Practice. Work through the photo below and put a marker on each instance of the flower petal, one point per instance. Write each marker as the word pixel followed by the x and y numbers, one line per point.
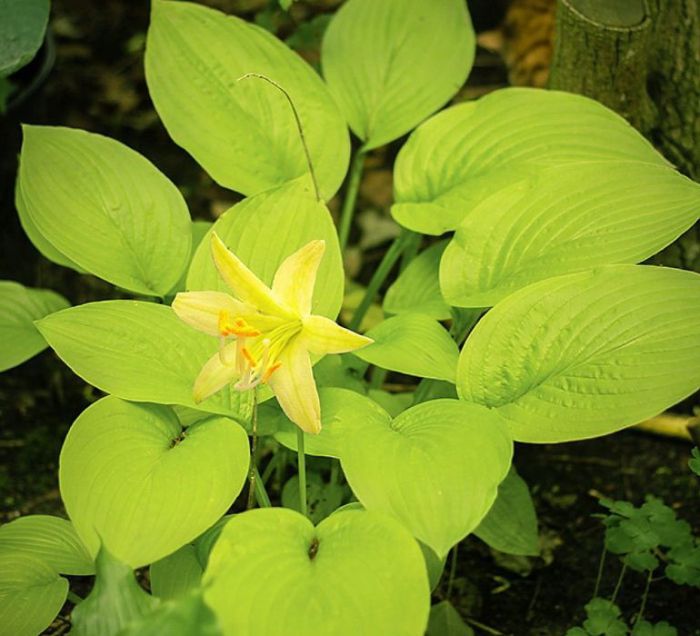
pixel 244 283
pixel 201 309
pixel 216 374
pixel 293 384
pixel 321 335
pixel 296 276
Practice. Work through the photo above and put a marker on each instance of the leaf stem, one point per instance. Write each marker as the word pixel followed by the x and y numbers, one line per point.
pixel 377 377
pixel 618 585
pixel 348 209
pixel 380 275
pixel 254 475
pixel 643 606
pixel 297 120
pixel 302 472
pixel 261 495
pixel 74 598
pixel 453 570
pixel 599 578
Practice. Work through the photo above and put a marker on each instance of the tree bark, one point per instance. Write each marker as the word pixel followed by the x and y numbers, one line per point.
pixel 642 59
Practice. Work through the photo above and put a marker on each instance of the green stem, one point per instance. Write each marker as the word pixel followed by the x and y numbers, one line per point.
pixel 297 121
pixel 280 467
pixel 253 453
pixel 453 571
pixel 302 472
pixel 269 469
pixel 377 377
pixel 599 578
pixel 410 252
pixel 618 585
pixel 643 606
pixel 74 598
pixel 348 209
pixel 261 495
pixel 379 276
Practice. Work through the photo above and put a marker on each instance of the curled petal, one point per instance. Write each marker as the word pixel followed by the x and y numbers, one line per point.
pixel 321 335
pixel 293 384
pixel 244 283
pixel 220 370
pixel 202 309
pixel 296 276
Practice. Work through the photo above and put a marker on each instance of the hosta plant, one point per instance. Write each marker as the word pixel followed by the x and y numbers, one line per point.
pixel 546 202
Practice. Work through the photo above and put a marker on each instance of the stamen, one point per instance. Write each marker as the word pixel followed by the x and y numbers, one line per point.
pixel 249 357
pixel 229 326
pixel 242 329
pixel 269 371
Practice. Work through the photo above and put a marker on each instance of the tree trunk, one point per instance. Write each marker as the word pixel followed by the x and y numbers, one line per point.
pixel 642 59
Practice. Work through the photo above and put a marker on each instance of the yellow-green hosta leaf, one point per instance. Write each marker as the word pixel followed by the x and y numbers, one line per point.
pixel 436 467
pixel 48 539
pixel 134 480
pixel 391 64
pixel 263 230
pixel 138 351
pixel 31 594
pixel 199 229
pixel 511 524
pixel 337 407
pixel 175 575
pixel 243 133
pixel 103 207
pixel 586 354
pixel 185 616
pixel 20 306
pixel 355 573
pixel 414 344
pixel 417 289
pixel 115 601
pixel 446 621
pixel 467 152
pixel 46 249
pixel 566 219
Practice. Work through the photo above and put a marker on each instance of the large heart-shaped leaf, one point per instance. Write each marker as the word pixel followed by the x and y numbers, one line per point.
pixel 243 133
pixel 511 524
pixel 263 230
pixel 19 307
pixel 568 218
pixel 465 153
pixel 48 539
pixel 45 248
pixel 133 480
pixel 176 574
pixel 390 64
pixel 103 207
pixel 583 355
pixel 436 467
pixel 31 594
pixel 417 289
pixel 355 573
pixel 115 601
pixel 138 351
pixel 414 344
pixel 185 616
pixel 338 407
pixel 446 621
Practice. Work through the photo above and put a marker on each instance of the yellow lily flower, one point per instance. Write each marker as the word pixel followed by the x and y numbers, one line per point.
pixel 266 334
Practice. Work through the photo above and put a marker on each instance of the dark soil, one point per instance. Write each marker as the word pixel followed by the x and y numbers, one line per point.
pixel 98 84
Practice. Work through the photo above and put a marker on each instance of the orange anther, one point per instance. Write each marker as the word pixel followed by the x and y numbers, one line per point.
pixel 249 357
pixel 270 370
